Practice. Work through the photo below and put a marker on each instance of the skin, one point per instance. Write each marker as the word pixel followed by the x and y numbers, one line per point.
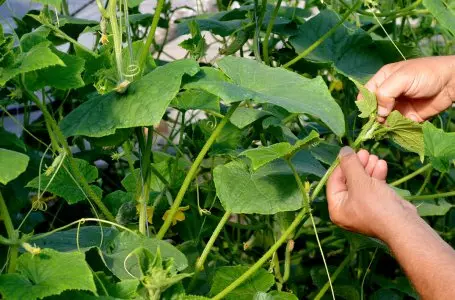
pixel 359 198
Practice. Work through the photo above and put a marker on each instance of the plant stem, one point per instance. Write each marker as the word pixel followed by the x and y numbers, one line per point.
pixel 151 37
pixel 265 43
pixel 308 204
pixel 73 166
pixel 334 276
pixel 300 216
pixel 324 37
pixel 425 182
pixel 201 260
pixel 412 175
pixel 193 170
pixel 12 234
pixel 430 197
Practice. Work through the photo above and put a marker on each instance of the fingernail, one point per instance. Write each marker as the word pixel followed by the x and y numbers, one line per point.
pixel 345 151
pixel 413 117
pixel 382 111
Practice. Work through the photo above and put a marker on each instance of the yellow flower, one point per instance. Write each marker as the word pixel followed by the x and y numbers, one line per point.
pixel 104 39
pixel 179 215
pixel 150 210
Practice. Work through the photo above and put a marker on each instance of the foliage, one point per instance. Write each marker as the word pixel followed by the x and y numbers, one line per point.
pixel 203 176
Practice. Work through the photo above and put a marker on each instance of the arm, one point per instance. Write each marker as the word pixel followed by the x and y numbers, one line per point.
pixel 360 200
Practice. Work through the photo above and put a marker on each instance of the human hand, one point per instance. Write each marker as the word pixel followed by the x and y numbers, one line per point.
pixel 359 198
pixel 418 88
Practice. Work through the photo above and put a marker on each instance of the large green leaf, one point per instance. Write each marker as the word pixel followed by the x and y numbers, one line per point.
pixel 350 49
pixel 443 12
pixel 263 84
pixel 143 104
pixel 12 164
pixel 261 281
pixel 439 146
pixel 61 77
pixel 64 185
pixel 39 57
pixel 45 274
pixel 269 190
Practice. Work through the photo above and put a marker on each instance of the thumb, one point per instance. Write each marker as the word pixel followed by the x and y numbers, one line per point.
pixel 352 167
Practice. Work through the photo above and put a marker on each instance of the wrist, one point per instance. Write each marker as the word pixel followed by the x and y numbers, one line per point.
pixel 400 225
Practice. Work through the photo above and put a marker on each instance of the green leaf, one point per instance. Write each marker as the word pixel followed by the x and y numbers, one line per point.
pixel 61 77
pixel 269 190
pixel 349 49
pixel 368 104
pixel 10 141
pixel 195 45
pixel 439 146
pixel 87 237
pixel 263 155
pixel 244 116
pixel 196 99
pixel 261 281
pixel 274 295
pixel 263 84
pixel 45 274
pixel 37 36
pixel 93 63
pixel 443 12
pixel 325 152
pixel 39 57
pixel 143 104
pixel 116 199
pixel 430 208
pixel 116 252
pixel 64 185
pixel 405 132
pixel 12 164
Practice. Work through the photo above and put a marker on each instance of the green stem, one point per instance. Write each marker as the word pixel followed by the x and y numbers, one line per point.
pixel 12 234
pixel 308 204
pixel 65 8
pixel 151 37
pixel 324 37
pixel 258 23
pixel 73 166
pixel 265 43
pixel 117 34
pixel 392 13
pixel 334 276
pixel 412 175
pixel 193 170
pixel 252 270
pixel 146 173
pixel 201 260
pixel 287 260
pixel 425 182
pixel 430 197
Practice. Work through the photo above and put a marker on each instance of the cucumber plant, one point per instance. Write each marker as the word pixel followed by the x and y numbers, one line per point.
pixel 204 177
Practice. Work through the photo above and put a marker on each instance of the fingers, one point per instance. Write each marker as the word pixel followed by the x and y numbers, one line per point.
pixel 380 170
pixel 363 156
pixel 372 161
pixel 351 166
